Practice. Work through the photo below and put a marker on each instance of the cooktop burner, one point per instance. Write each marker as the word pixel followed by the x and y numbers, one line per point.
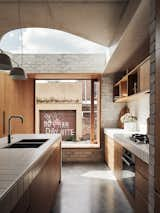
pixel 140 138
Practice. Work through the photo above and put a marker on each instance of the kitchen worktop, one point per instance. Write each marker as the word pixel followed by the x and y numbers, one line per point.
pixel 121 136
pixel 15 164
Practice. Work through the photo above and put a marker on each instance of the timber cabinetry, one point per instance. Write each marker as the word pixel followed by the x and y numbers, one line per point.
pixel 113 154
pixel 16 97
pixel 138 196
pixel 144 76
pixel 141 186
pixel 109 152
pixel 40 195
pixel 133 84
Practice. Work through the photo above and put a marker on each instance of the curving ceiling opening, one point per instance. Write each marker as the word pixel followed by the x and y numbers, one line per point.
pixel 47 41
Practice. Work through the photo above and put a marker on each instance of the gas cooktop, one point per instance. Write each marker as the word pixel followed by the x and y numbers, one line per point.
pixel 140 138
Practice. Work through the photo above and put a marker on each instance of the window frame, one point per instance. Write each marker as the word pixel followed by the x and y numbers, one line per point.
pixel 93 78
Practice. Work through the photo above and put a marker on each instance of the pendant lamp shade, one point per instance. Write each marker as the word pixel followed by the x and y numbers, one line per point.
pixel 5 62
pixel 17 73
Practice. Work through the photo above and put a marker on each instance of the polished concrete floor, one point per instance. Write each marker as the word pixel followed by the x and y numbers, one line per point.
pixel 89 188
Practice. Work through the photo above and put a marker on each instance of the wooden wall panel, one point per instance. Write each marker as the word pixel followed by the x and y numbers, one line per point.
pixel 18 99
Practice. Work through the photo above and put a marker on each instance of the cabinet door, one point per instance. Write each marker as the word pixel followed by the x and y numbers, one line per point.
pixel 109 152
pixel 113 155
pixel 141 186
pixel 43 189
pixel 106 149
pixel 144 74
pixel 117 160
pixel 19 100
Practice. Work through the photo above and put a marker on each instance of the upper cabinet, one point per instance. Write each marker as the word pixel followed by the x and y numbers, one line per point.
pixel 144 76
pixel 16 98
pixel 136 82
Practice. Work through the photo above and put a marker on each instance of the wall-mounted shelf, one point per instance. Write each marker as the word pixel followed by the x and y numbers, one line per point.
pixel 131 97
pixel 134 84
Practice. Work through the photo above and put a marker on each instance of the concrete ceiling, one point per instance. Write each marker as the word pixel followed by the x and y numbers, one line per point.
pixel 122 25
pixel 95 20
pixel 133 46
pixel 64 1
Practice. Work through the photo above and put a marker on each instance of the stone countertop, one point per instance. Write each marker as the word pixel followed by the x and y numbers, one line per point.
pixel 14 163
pixel 122 137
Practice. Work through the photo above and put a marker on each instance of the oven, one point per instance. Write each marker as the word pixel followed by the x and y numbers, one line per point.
pixel 128 171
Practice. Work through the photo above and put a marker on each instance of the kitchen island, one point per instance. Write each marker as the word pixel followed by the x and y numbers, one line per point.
pixel 29 177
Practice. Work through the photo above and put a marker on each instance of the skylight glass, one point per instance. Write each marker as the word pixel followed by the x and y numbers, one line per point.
pixel 47 41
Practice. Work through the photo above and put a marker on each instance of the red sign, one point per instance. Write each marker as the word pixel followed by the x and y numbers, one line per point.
pixel 58 121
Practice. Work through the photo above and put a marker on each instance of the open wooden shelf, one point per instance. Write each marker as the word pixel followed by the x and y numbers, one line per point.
pixel 134 84
pixel 131 97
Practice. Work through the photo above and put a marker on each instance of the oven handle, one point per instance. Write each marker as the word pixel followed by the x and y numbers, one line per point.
pixel 126 161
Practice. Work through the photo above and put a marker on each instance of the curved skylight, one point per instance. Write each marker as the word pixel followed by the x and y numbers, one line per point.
pixel 47 41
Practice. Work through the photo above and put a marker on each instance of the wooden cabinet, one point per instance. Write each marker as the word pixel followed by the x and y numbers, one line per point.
pixel 16 97
pixel 40 195
pixel 109 152
pixel 141 186
pixel 157 202
pixel 134 83
pixel 46 183
pixel 113 154
pixel 144 76
pixel 113 158
pixel 118 150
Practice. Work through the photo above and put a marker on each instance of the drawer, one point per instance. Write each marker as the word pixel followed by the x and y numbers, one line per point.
pixel 141 185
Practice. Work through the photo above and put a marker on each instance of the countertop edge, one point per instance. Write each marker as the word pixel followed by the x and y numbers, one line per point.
pixel 137 149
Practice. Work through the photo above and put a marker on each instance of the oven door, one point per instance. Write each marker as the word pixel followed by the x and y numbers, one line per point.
pixel 128 171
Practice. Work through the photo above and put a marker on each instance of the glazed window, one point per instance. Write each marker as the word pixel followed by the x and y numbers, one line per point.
pixel 69 107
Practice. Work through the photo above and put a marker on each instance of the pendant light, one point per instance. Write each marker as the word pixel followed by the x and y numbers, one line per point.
pixel 18 73
pixel 5 61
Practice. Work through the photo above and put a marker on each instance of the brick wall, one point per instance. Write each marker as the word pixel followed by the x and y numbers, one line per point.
pixel 109 116
pixel 82 155
pixel 152 109
pixel 60 63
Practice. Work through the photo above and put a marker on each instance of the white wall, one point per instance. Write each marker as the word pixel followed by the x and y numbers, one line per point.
pixel 140 108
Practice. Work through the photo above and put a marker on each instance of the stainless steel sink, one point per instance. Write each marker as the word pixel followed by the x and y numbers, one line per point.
pixel 33 140
pixel 23 145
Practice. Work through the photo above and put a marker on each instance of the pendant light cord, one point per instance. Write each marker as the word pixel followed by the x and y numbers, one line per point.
pixel 50 14
pixel 21 32
pixel 1 51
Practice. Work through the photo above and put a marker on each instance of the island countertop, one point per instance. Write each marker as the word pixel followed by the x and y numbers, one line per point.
pixel 123 138
pixel 15 162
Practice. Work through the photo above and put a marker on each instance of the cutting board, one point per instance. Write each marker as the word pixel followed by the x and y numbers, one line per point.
pixel 123 111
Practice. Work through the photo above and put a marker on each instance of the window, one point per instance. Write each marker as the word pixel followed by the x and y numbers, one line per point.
pixel 69 107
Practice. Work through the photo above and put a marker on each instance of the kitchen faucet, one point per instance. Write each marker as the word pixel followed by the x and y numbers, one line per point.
pixel 9 124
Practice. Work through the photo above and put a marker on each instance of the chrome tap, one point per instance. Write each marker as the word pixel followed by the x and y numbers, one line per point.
pixel 9 124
